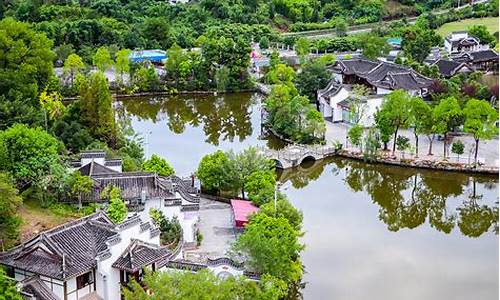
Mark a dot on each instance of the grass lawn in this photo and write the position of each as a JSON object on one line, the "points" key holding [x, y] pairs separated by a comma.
{"points": [[36, 219], [490, 23]]}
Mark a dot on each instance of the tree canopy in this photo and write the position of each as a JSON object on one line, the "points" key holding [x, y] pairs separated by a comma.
{"points": [[26, 65], [480, 120], [29, 154], [271, 246], [8, 289], [9, 220], [117, 210], [158, 165], [204, 284]]}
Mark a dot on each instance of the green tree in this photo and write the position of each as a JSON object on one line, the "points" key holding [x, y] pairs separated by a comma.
{"points": [[117, 210], [421, 121], [171, 230], [481, 32], [281, 73], [480, 121], [190, 285], [371, 145], [222, 78], [340, 26], [417, 42], [158, 165], [374, 46], [79, 185], [52, 104], [211, 171], [271, 246], [73, 65], [384, 126], [314, 76], [243, 164], [274, 59], [283, 209], [122, 62], [26, 65], [447, 115], [176, 57], [8, 289], [458, 148], [145, 79], [402, 143], [29, 154], [396, 110], [355, 133], [260, 186], [264, 42], [102, 59], [357, 103], [302, 47], [292, 116], [9, 220], [96, 102]]}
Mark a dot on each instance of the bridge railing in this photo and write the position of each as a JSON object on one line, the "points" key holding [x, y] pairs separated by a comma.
{"points": [[294, 152]]}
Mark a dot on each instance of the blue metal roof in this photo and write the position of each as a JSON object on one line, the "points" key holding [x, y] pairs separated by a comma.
{"points": [[155, 55], [395, 41]]}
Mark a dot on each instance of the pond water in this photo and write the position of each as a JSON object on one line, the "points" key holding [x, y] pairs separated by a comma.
{"points": [[371, 231]]}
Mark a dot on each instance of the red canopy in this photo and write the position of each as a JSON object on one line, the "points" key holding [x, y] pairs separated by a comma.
{"points": [[242, 209]]}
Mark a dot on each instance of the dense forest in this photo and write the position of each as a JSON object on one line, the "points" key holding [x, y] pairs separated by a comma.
{"points": [[85, 25]]}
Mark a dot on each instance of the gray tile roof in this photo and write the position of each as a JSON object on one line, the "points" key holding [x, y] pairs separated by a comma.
{"points": [[93, 154], [64, 251], [448, 68], [383, 74], [95, 169], [140, 254], [131, 185], [183, 265], [476, 56], [34, 287], [330, 90]]}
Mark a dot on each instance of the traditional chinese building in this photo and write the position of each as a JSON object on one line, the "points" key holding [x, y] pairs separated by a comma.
{"points": [[380, 78]]}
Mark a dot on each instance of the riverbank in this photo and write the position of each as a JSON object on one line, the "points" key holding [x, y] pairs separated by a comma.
{"points": [[170, 93], [447, 166], [487, 158]]}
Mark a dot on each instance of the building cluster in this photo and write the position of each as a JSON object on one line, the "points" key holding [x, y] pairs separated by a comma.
{"points": [[379, 77], [94, 258], [339, 102]]}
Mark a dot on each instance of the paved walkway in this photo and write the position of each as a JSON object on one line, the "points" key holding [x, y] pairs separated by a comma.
{"points": [[488, 150], [216, 226]]}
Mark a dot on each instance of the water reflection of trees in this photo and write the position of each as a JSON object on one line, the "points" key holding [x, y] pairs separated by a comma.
{"points": [[407, 198], [223, 118]]}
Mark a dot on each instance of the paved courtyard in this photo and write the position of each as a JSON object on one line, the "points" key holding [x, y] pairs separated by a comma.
{"points": [[488, 150], [216, 226]]}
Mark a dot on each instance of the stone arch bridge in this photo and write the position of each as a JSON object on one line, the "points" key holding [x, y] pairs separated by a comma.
{"points": [[293, 155]]}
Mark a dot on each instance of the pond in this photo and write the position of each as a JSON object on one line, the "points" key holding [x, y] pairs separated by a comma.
{"points": [[371, 231]]}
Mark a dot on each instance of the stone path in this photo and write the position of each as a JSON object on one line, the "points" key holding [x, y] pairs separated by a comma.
{"points": [[216, 226], [488, 150]]}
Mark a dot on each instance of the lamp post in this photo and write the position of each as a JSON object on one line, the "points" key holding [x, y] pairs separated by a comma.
{"points": [[278, 188], [147, 143]]}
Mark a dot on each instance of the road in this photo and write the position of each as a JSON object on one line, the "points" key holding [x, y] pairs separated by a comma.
{"points": [[356, 29]]}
